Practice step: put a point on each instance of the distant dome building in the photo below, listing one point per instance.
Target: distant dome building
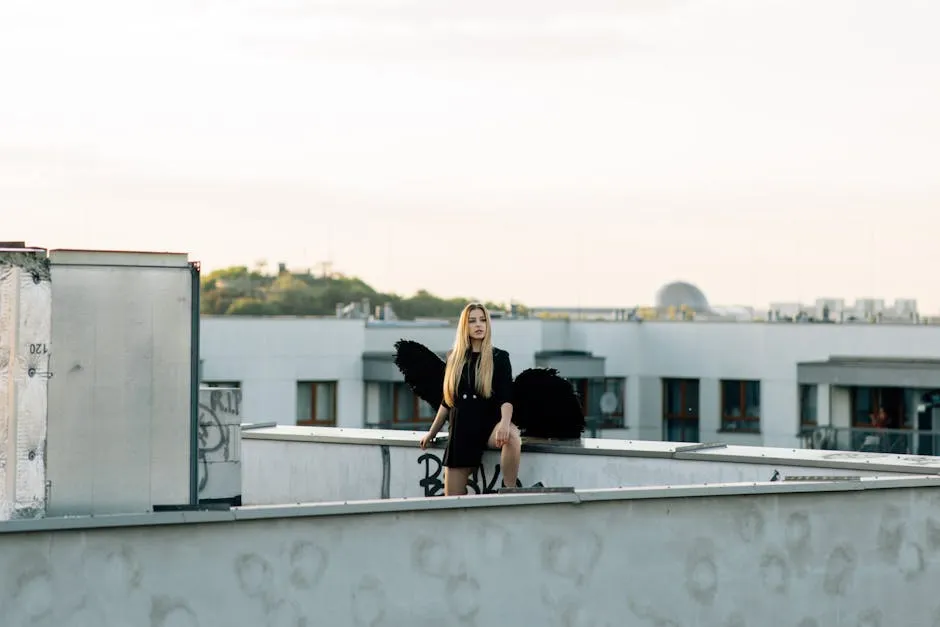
(681, 295)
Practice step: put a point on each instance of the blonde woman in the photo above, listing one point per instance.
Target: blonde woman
(477, 397)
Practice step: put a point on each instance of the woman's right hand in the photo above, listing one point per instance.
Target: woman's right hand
(426, 439)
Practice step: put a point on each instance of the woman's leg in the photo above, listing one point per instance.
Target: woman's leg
(510, 456)
(455, 481)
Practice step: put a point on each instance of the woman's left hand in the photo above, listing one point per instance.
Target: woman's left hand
(502, 433)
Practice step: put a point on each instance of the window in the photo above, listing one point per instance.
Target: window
(876, 408)
(399, 408)
(808, 413)
(880, 407)
(316, 403)
(680, 410)
(740, 406)
(592, 391)
(222, 384)
(409, 409)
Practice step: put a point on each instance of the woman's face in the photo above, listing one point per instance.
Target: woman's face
(476, 324)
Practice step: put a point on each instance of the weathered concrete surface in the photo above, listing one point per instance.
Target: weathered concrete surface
(306, 464)
(25, 351)
(743, 561)
(219, 437)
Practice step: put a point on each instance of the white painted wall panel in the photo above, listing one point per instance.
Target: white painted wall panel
(25, 349)
(268, 356)
(617, 342)
(381, 338)
(840, 403)
(120, 399)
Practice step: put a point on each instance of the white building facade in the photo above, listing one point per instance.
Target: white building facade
(789, 385)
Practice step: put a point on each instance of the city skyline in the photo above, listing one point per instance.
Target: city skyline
(326, 268)
(538, 152)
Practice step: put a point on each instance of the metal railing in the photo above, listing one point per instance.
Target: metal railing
(872, 440)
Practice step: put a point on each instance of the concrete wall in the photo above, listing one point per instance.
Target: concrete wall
(219, 436)
(715, 557)
(522, 338)
(268, 356)
(643, 353)
(770, 353)
(381, 338)
(309, 465)
(25, 351)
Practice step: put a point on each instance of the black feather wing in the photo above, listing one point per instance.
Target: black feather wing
(423, 370)
(544, 405)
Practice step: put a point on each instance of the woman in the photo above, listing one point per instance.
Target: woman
(477, 398)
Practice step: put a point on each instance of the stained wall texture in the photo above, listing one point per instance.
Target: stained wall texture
(820, 559)
(219, 439)
(25, 351)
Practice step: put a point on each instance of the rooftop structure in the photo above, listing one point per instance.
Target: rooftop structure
(166, 504)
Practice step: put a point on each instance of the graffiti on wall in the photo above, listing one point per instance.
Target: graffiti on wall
(480, 481)
(219, 415)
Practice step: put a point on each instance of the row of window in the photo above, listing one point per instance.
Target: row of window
(398, 406)
(740, 408)
(740, 405)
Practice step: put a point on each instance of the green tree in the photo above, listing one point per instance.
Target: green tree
(240, 291)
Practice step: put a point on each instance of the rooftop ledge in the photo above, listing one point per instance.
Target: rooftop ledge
(382, 506)
(296, 472)
(709, 452)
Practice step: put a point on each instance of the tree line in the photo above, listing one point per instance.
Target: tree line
(243, 291)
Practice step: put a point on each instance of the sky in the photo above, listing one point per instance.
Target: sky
(551, 152)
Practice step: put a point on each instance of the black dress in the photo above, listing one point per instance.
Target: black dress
(473, 417)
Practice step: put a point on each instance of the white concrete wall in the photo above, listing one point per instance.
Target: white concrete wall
(556, 335)
(381, 338)
(643, 353)
(277, 471)
(25, 350)
(840, 402)
(373, 400)
(219, 438)
(824, 405)
(770, 559)
(268, 356)
(522, 338)
(770, 352)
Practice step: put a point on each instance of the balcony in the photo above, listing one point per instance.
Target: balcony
(872, 440)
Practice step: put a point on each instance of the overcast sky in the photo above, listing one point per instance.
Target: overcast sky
(555, 152)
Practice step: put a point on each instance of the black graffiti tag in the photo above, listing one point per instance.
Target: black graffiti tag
(212, 434)
(433, 483)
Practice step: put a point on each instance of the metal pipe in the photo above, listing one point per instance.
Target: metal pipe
(194, 388)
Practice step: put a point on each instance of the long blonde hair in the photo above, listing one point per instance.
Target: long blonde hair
(457, 358)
